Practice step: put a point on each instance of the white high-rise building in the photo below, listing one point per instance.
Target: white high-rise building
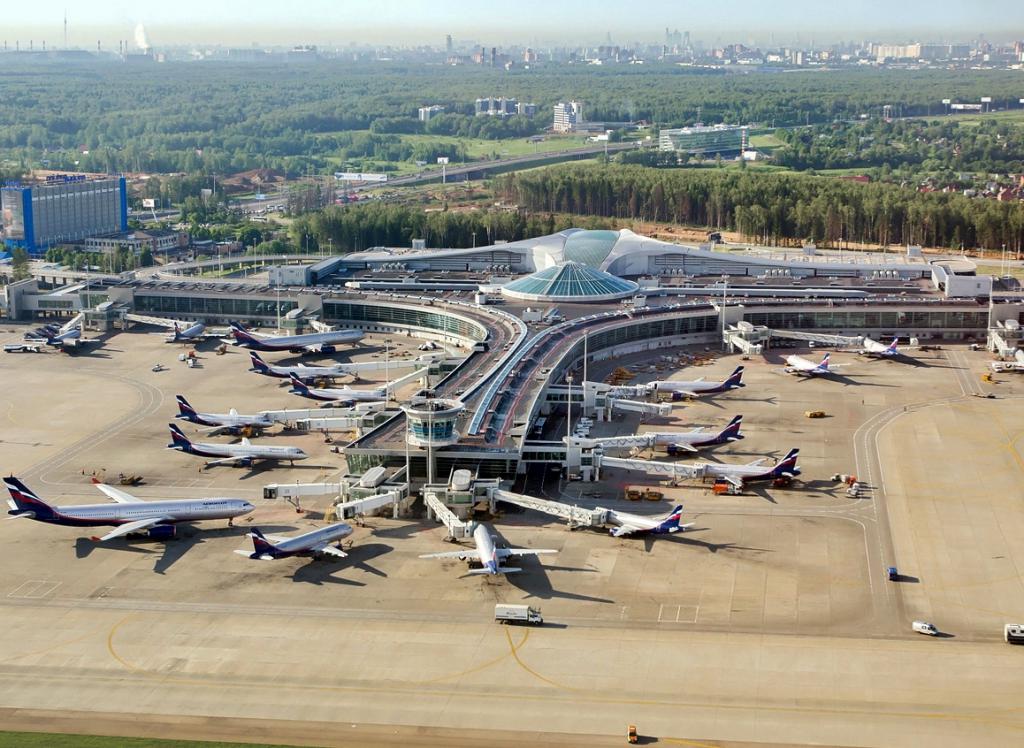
(568, 115)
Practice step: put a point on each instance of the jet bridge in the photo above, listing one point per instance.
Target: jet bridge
(668, 470)
(837, 341)
(436, 509)
(574, 515)
(636, 406)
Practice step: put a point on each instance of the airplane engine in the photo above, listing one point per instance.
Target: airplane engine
(328, 349)
(162, 532)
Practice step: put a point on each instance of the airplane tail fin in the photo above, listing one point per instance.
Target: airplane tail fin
(185, 410)
(24, 502)
(178, 438)
(824, 361)
(787, 467)
(261, 546)
(892, 345)
(671, 522)
(297, 384)
(258, 364)
(736, 378)
(240, 334)
(731, 432)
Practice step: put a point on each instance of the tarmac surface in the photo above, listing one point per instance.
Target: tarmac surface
(770, 622)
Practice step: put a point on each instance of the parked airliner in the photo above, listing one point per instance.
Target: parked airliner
(314, 543)
(155, 519)
(804, 368)
(244, 454)
(316, 342)
(874, 348)
(698, 387)
(344, 395)
(488, 556)
(231, 422)
(305, 373)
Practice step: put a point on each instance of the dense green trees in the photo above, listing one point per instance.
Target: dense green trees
(220, 117)
(924, 146)
(771, 208)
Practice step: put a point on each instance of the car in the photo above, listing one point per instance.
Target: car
(923, 627)
(892, 574)
(631, 735)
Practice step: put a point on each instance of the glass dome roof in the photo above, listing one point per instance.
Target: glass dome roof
(570, 281)
(590, 247)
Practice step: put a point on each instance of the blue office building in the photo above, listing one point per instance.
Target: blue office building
(64, 208)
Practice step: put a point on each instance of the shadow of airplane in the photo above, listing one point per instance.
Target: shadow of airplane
(534, 581)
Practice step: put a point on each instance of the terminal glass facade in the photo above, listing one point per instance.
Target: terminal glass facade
(847, 319)
(403, 316)
(236, 307)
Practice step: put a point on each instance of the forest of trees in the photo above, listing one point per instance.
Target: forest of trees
(221, 117)
(926, 146)
(771, 208)
(359, 227)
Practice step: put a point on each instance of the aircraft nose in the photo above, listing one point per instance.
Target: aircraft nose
(247, 507)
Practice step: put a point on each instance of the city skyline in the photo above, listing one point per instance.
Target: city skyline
(530, 22)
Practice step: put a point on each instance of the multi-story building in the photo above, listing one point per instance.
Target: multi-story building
(427, 113)
(62, 209)
(702, 140)
(157, 241)
(568, 115)
(495, 107)
(526, 109)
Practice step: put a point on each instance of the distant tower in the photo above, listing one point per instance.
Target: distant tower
(65, 28)
(448, 44)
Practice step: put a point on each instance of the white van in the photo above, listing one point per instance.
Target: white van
(923, 627)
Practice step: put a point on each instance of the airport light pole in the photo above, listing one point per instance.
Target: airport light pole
(278, 289)
(387, 375)
(725, 290)
(568, 414)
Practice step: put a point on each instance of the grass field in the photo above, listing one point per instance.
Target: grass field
(44, 740)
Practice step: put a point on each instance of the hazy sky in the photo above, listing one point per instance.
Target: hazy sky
(241, 22)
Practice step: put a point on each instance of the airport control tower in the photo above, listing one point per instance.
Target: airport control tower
(432, 422)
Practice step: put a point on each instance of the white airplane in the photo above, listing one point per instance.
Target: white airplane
(314, 543)
(305, 373)
(873, 348)
(130, 516)
(231, 422)
(67, 337)
(487, 554)
(346, 395)
(697, 439)
(244, 454)
(698, 387)
(755, 471)
(802, 367)
(636, 524)
(316, 342)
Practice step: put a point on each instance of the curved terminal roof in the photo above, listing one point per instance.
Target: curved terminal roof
(589, 247)
(570, 281)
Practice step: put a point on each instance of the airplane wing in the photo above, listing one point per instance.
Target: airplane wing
(130, 527)
(505, 552)
(314, 348)
(738, 482)
(687, 447)
(758, 462)
(329, 549)
(462, 555)
(623, 530)
(121, 497)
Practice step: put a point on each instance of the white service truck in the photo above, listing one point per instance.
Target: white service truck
(517, 614)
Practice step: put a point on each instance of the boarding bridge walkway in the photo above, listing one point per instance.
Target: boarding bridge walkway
(306, 414)
(735, 340)
(670, 470)
(574, 515)
(635, 406)
(839, 341)
(436, 508)
(357, 507)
